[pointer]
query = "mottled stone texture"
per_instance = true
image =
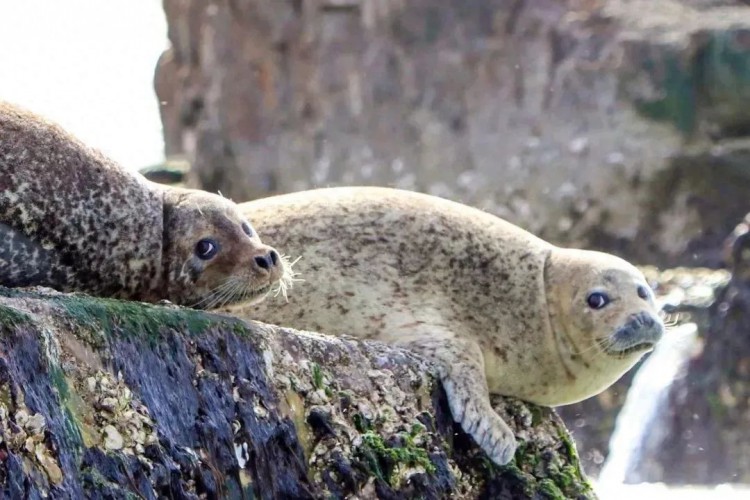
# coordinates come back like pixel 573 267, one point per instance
pixel 702 435
pixel 606 123
pixel 107 399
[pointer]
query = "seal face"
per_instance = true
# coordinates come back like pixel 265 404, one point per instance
pixel 212 254
pixel 74 220
pixel 496 309
pixel 603 318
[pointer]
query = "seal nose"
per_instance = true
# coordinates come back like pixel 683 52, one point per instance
pixel 641 319
pixel 271 259
pixel 647 326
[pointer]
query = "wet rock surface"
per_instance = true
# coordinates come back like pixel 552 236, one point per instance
pixel 590 123
pixel 109 399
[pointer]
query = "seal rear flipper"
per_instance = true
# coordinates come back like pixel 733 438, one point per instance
pixel 24 262
pixel 462 373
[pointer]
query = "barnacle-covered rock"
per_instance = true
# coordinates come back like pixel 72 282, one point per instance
pixel 108 398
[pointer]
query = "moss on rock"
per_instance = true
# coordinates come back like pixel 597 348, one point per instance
pixel 147 400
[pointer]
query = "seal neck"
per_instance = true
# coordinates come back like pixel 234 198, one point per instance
pixel 170 198
pixel 557 285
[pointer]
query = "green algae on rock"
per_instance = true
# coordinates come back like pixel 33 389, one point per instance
pixel 145 401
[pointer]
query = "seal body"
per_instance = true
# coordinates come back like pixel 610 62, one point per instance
pixel 497 309
pixel 74 220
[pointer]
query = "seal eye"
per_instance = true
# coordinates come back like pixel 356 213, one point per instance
pixel 642 292
pixel 248 230
pixel 205 249
pixel 597 300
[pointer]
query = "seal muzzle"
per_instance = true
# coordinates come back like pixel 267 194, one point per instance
pixel 640 333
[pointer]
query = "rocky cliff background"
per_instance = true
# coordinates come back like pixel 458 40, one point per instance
pixel 611 124
pixel 620 125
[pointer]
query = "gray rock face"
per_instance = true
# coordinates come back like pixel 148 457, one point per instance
pixel 107 399
pixel 621 125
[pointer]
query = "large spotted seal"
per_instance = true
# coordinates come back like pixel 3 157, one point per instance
pixel 497 309
pixel 74 220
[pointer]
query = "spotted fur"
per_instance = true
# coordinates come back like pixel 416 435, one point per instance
pixel 74 220
pixel 497 309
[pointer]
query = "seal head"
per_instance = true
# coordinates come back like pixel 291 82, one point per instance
pixel 603 318
pixel 212 254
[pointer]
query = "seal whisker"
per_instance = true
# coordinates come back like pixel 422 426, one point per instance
pixel 213 293
pixel 606 343
pixel 229 292
pixel 601 343
pixel 216 296
pixel 205 300
pixel 202 300
pixel 672 320
pixel 249 293
pixel 288 279
pixel 238 293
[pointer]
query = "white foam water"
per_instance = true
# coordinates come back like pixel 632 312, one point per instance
pixel 647 395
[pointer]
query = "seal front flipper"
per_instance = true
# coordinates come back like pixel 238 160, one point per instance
pixel 461 369
pixel 24 262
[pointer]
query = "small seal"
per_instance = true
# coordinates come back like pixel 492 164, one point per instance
pixel 496 309
pixel 74 220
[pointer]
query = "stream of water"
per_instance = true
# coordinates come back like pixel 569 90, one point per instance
pixel 646 397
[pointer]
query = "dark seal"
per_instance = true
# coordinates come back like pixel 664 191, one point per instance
pixel 74 220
